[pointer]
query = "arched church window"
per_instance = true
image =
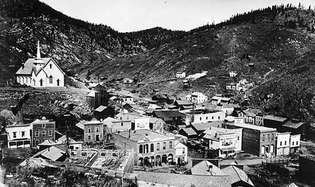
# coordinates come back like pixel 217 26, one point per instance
pixel 50 79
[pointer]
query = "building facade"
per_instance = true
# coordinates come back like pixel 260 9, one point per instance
pixel 226 142
pixel 252 116
pixel 151 148
pixel 43 129
pixel 93 131
pixel 257 140
pixel 40 72
pixel 197 98
pixel 19 136
pixel 283 143
pixel 204 117
pixel 295 143
pixel 128 99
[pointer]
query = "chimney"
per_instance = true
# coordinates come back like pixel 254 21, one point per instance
pixel 38 51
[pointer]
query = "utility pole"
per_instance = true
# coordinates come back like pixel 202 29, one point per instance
pixel 67 134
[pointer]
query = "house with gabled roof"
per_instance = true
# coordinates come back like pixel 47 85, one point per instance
pixel 40 72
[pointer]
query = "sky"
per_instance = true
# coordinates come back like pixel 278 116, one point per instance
pixel 135 15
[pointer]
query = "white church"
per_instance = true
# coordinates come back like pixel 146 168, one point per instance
pixel 40 72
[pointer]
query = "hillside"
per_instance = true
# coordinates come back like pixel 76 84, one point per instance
pixel 276 39
pixel 73 43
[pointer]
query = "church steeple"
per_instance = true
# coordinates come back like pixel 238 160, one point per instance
pixel 38 51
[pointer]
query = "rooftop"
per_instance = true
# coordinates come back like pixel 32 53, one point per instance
pixel 253 127
pixel 189 131
pixel 252 111
pixel 168 113
pixel 29 66
pixel 293 125
pixel 183 180
pixel 205 126
pixel 52 153
pixel 183 102
pixel 144 134
pixel 275 118
pixel 206 168
pixel 100 108
pixel 93 122
pixel 237 175
pixel 43 120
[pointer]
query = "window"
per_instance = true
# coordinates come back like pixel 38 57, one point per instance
pixel 71 147
pixel 36 134
pixel 212 117
pixel 12 143
pixel 171 145
pixel 23 133
pixel 122 124
pixel 14 134
pixel 297 143
pixel 89 137
pixel 292 143
pixel 263 138
pixel 152 147
pixel 50 133
pixel 158 146
pixel 58 82
pixel 50 79
pixel 89 130
pixel 140 148
pixel 280 143
pixel 285 142
pixel 97 129
pixel 146 150
pixel 164 145
pixel 200 118
pixel 83 154
pixel 50 66
pixel 41 82
pixel 218 117
pixel 43 133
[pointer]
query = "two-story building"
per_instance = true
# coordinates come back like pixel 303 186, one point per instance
pixel 172 117
pixel 252 116
pixel 283 143
pixel 180 75
pixel 127 99
pixel 204 116
pixel 224 142
pixel 295 143
pixel 219 99
pixel 19 135
pixel 287 143
pixel 151 148
pixel 197 97
pixel 43 129
pixel 93 131
pixel 257 140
